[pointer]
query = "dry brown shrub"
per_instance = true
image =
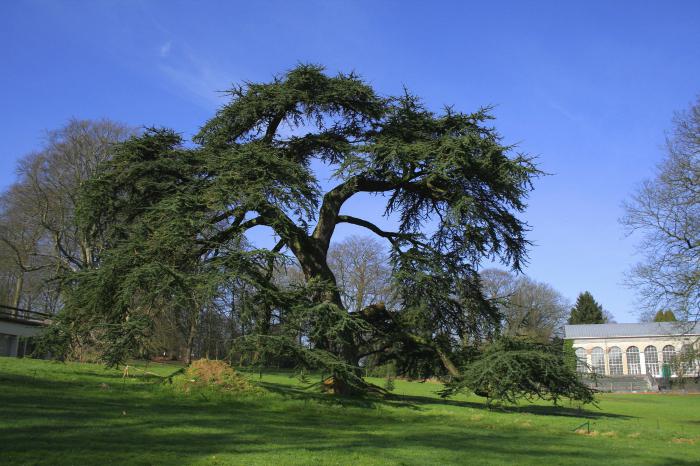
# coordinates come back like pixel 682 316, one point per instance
pixel 218 375
pixel 634 435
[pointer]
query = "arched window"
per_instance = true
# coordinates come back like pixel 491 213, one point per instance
pixel 633 360
pixel 615 361
pixel 598 360
pixel 651 358
pixel 689 362
pixel 669 354
pixel 581 364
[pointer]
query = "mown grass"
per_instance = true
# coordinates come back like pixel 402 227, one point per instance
pixel 54 413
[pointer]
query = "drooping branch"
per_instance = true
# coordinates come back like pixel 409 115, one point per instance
pixel 392 236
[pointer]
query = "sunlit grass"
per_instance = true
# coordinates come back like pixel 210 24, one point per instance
pixel 53 413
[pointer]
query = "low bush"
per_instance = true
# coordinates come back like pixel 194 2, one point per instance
pixel 212 375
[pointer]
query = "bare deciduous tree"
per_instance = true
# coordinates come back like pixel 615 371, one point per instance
pixel 529 308
pixel 361 267
pixel 665 210
pixel 39 235
pixel 50 182
pixel 22 248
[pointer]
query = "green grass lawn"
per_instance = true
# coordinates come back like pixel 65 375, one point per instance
pixel 53 413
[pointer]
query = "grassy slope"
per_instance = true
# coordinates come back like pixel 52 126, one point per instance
pixel 59 413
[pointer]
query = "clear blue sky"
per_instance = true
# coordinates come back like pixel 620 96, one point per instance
pixel 589 87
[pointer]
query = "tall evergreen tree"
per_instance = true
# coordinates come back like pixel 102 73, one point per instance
pixel 587 311
pixel 172 216
pixel 665 316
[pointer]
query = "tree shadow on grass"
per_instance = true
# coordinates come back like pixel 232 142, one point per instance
pixel 145 383
pixel 167 430
pixel 418 402
pixel 75 422
pixel 313 393
pixel 539 410
pixel 84 380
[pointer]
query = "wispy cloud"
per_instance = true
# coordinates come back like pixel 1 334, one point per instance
pixel 565 112
pixel 165 49
pixel 193 77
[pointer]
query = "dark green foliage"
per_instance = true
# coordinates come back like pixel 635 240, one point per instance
pixel 510 369
pixel 303 376
pixel 173 222
pixel 348 379
pixel 587 311
pixel 389 384
pixel 389 377
pixel 147 209
pixel 569 353
pixel 55 340
pixel 324 322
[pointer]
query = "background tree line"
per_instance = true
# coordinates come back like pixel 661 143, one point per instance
pixel 39 235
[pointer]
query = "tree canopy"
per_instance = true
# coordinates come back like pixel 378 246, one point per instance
pixel 665 316
pixel 587 310
pixel 175 220
pixel 529 308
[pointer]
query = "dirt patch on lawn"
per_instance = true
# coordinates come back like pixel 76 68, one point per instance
pixel 689 441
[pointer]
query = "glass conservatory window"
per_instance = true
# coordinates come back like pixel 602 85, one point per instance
pixel 651 358
pixel 615 361
pixel 598 360
pixel 581 365
pixel 689 365
pixel 669 354
pixel 633 360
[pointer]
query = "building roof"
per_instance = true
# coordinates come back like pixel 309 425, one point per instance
pixel 631 330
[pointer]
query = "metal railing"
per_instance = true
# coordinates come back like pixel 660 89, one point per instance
pixel 26 316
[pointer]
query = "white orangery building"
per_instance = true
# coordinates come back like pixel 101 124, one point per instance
pixel 632 349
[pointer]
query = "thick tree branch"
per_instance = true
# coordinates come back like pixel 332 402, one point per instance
pixel 393 236
pixel 335 198
pixel 390 235
pixel 272 127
